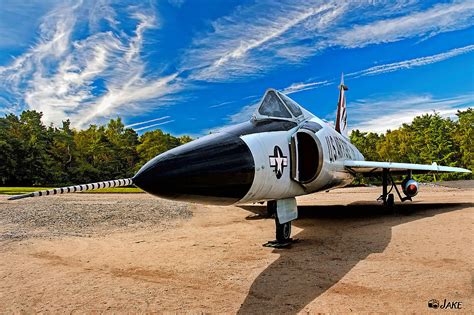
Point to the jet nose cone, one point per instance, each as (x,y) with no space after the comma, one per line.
(217,169)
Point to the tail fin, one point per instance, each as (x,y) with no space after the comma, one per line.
(341,117)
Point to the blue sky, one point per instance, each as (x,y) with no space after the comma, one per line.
(189,67)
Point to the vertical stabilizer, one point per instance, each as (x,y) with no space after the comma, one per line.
(341,117)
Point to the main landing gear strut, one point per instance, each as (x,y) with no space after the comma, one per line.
(387,197)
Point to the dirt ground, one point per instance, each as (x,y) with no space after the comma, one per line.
(352,257)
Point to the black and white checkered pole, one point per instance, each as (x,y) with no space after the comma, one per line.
(77,188)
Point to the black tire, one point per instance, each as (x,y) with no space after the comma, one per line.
(283,231)
(390,200)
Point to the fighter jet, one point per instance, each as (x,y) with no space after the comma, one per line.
(282,152)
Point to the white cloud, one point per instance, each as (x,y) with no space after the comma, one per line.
(244,114)
(221,104)
(90,78)
(300,86)
(421,102)
(59,75)
(257,38)
(411,63)
(437,19)
(385,68)
(146,122)
(101,10)
(267,34)
(153,125)
(411,106)
(253,39)
(378,115)
(135,89)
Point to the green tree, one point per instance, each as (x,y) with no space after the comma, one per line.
(463,135)
(366,143)
(428,139)
(185,139)
(123,144)
(10,148)
(155,142)
(31,153)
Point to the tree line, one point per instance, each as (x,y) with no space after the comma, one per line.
(32,154)
(428,139)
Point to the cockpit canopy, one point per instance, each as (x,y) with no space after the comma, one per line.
(276,105)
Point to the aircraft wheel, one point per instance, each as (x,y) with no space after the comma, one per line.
(283,231)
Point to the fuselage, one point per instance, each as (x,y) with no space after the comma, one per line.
(258,160)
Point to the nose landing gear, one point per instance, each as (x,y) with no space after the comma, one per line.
(282,230)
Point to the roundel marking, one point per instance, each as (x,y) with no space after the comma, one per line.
(278,161)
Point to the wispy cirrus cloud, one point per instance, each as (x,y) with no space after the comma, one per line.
(247,41)
(384,68)
(146,122)
(154,125)
(247,44)
(302,86)
(380,114)
(364,109)
(440,18)
(88,78)
(412,63)
(244,114)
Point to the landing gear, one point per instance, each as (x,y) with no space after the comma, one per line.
(387,197)
(271,208)
(282,230)
(283,235)
(390,202)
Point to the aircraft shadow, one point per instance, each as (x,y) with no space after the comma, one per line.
(334,239)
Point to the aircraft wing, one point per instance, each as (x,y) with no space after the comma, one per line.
(369,167)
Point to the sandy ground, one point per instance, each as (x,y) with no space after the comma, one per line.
(352,257)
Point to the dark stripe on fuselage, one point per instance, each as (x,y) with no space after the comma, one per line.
(311,125)
(251,127)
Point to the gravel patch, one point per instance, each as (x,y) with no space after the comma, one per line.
(86,215)
(461,184)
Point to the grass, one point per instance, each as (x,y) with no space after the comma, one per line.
(24,190)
